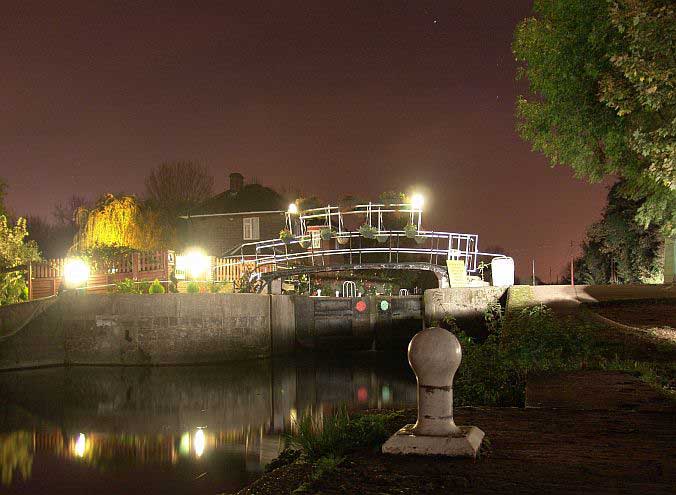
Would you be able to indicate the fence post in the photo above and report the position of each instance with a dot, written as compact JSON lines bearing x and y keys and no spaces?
{"x":135,"y":265}
{"x":30,"y":280}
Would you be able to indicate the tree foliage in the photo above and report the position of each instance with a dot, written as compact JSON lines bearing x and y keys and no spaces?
{"x":15,"y":252}
{"x":176,"y":187}
{"x":602,"y":76}
{"x":120,"y":222}
{"x":617,"y":249}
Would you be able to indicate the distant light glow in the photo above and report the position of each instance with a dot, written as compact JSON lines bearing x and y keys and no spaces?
{"x":199,"y":443}
{"x":80,"y":445}
{"x":387,"y":394}
{"x":293,"y":209}
{"x":75,"y":272}
{"x":184,"y":446}
{"x":417,"y":201}
{"x":362,"y":394}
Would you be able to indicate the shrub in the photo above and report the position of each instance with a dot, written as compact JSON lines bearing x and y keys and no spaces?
{"x":156,"y":288}
{"x":193,"y":288}
{"x":127,"y":286}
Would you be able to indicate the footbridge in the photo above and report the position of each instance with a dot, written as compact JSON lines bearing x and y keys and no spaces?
{"x":321,"y":240}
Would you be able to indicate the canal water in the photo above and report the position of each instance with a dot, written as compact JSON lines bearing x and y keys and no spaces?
{"x":190,"y":429}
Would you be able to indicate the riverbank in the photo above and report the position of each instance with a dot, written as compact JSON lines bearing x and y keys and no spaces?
{"x":618,"y":440}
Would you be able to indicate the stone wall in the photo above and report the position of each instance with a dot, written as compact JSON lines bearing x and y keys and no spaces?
{"x":466,"y":304}
{"x":131,"y":329}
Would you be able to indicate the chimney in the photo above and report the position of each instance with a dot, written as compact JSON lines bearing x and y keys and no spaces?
{"x":236,"y":182}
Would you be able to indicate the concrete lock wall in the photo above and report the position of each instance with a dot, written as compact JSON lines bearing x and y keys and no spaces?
{"x":130,"y":329}
{"x":466,"y":304}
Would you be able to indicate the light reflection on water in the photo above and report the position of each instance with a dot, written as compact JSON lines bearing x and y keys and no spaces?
{"x":205,"y":429}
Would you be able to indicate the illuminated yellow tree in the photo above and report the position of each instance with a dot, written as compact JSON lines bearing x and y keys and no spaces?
{"x":120,"y":222}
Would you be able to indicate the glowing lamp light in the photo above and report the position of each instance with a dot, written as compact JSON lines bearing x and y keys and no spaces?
{"x":293,"y":209}
{"x":195,"y":263}
{"x":75,"y":272}
{"x":80,"y":445}
{"x":417,"y":201}
{"x":199,"y":443}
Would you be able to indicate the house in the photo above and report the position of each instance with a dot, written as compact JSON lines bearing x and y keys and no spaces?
{"x":244,"y":213}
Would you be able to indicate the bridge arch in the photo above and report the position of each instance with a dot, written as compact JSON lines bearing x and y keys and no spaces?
{"x":439,"y":271}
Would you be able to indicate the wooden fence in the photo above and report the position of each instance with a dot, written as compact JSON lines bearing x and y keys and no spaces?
{"x":45,"y":277}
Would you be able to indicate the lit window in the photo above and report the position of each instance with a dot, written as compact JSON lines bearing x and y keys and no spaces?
{"x":252,"y":230}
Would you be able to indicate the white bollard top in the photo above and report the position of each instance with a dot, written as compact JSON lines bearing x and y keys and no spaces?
{"x":435,"y":355}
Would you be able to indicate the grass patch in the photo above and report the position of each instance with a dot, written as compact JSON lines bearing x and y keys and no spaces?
{"x":339,"y":433}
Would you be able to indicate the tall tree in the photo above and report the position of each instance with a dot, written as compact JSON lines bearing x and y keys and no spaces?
{"x":3,"y":188}
{"x":603,"y":80}
{"x":617,"y":249}
{"x":174,"y":188}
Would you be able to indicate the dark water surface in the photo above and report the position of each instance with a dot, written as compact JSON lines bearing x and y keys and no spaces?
{"x":197,"y":429}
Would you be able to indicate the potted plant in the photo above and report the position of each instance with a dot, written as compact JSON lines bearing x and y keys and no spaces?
{"x":304,"y":242}
{"x":286,"y":236}
{"x":342,"y":239}
{"x":367,"y":231}
{"x":382,"y":238}
{"x":420,"y":239}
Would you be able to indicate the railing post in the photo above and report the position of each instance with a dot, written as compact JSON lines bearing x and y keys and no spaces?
{"x":135,"y":265}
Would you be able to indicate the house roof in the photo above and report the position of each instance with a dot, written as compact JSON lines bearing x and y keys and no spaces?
{"x":252,"y":197}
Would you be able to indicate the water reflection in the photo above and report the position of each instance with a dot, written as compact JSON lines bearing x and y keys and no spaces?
{"x":175,"y":429}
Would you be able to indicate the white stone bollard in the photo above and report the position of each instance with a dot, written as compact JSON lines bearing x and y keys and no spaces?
{"x":435,"y":355}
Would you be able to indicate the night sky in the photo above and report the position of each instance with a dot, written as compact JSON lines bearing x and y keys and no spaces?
{"x":330,"y":100}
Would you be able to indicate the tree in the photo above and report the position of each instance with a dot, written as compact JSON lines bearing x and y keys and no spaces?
{"x":3,"y":188}
{"x":603,"y":79}
{"x":15,"y":253}
{"x":120,"y":222}
{"x":174,"y":188}
{"x":617,"y":249}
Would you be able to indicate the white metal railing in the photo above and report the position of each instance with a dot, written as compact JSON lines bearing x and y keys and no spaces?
{"x":430,"y":246}
{"x":333,"y":216}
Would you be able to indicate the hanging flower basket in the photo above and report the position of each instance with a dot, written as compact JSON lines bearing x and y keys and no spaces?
{"x":368,"y":232}
{"x":382,"y":238}
{"x":326,"y":234}
{"x":304,"y":243}
{"x":342,"y":239}
{"x":410,"y":230}
{"x":286,"y":235}
{"x":419,"y":239}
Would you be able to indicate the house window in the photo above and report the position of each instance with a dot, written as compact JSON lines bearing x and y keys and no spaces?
{"x":252,"y":231}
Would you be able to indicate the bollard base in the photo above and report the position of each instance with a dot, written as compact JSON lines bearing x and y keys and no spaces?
{"x":464,"y":444}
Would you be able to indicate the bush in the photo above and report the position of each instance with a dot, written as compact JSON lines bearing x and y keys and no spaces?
{"x":193,"y":288}
{"x":127,"y":286}
{"x":156,"y":288}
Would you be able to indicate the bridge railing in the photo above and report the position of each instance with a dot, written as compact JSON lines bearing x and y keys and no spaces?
{"x":429,"y":246}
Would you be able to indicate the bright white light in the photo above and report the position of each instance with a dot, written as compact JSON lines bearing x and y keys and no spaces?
{"x":417,"y":201}
{"x":75,"y":272}
{"x":199,"y":443}
{"x":194,"y":263}
{"x":293,"y":209}
{"x":80,"y":445}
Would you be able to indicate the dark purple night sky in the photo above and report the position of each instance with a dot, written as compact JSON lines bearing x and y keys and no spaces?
{"x":329,"y":100}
